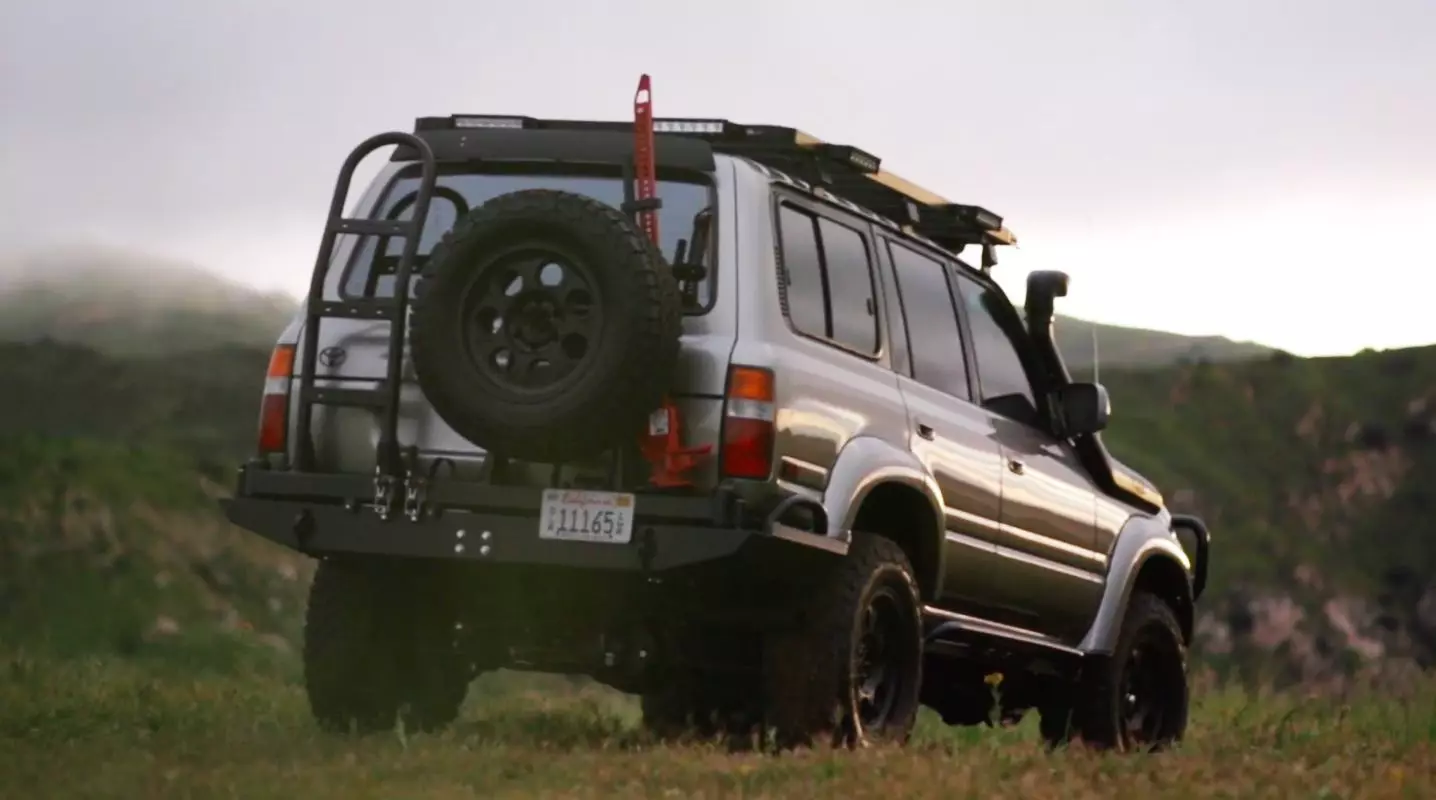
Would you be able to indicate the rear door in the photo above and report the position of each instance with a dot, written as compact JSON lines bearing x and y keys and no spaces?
{"x":954,"y":439}
{"x":353,"y":353}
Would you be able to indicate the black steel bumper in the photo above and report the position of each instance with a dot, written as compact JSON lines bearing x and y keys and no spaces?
{"x":1201,"y":559}
{"x":323,"y":515}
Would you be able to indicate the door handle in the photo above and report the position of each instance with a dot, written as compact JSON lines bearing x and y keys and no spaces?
{"x":925,"y":431}
{"x":1016,"y":467}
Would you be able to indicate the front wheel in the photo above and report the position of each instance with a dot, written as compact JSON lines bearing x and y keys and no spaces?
{"x":853,"y":672}
{"x":1138,"y":699}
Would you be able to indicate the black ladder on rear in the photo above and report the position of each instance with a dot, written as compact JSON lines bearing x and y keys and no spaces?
{"x":388,"y":470}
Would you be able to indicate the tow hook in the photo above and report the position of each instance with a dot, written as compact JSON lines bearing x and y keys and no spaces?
{"x":415,"y":487}
{"x":383,"y":495}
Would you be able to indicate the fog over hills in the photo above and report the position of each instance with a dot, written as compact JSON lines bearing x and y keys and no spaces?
{"x":131,"y":304}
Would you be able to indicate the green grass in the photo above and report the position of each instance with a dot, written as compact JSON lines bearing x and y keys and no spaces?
{"x":103,"y":728}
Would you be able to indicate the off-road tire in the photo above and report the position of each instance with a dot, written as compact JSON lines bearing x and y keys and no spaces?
{"x":809,"y":673}
{"x":434,"y":678}
{"x":1094,"y":712}
{"x":620,"y":380}
{"x":706,"y":707}
{"x":372,"y":649}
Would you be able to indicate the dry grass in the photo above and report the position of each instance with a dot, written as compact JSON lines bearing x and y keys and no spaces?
{"x":110,"y":729}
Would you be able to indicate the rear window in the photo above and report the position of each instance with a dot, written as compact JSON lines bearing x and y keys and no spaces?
{"x":371,"y":276}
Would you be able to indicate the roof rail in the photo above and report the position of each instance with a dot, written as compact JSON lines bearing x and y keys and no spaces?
{"x":844,"y":170}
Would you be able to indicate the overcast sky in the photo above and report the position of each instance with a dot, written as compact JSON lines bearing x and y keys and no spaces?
{"x":1263,"y":170}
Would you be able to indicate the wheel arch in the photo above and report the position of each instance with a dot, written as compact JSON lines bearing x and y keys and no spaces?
{"x":1147,"y":557}
{"x":877,"y":488}
{"x":1160,"y":575}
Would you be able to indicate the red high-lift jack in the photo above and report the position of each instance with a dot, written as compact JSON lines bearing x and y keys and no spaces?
{"x":663,"y":447}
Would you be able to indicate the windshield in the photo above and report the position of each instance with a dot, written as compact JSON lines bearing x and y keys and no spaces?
{"x":369,"y":276}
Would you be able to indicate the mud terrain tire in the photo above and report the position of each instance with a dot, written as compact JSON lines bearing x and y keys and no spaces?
{"x":813,"y":677}
{"x":373,"y":649}
{"x":695,"y":704}
{"x":1137,"y":700}
{"x":483,"y":314}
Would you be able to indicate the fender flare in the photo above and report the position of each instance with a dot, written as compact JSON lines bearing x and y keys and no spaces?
{"x":1143,"y":538}
{"x":866,"y":463}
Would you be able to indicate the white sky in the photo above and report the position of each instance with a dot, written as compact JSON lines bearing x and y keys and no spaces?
{"x":1201,"y":167}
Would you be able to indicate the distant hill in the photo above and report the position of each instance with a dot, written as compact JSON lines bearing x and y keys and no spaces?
{"x":127,"y":304}
{"x":1120,"y":346}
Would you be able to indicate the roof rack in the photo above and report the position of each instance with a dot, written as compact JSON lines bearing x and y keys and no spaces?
{"x":844,"y":170}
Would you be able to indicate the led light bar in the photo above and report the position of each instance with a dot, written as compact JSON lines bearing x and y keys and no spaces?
{"x":975,"y":215}
{"x":701,"y":126}
{"x":492,"y":122}
{"x":864,"y":162}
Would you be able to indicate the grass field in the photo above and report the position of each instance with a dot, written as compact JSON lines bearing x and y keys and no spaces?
{"x":79,"y":729}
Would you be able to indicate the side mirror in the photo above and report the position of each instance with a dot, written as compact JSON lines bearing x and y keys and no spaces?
{"x":1081,"y":409}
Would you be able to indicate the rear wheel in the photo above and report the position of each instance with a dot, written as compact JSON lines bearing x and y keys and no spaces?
{"x":377,"y":643}
{"x":852,"y":674}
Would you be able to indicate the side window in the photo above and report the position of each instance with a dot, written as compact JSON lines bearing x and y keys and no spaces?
{"x":933,"y":336}
{"x":803,"y":271}
{"x":1006,"y":388}
{"x":828,"y":280}
{"x":850,"y":286}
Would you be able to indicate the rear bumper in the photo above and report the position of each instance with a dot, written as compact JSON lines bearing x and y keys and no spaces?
{"x":328,"y":515}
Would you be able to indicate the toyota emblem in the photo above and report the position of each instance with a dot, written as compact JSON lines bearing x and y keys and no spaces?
{"x":332,"y":356}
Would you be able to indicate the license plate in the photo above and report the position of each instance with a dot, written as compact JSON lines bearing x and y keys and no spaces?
{"x":571,"y":515}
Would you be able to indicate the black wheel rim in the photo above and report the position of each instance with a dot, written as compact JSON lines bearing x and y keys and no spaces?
{"x":1153,"y":690}
{"x":883,"y":661}
{"x":530,"y":318}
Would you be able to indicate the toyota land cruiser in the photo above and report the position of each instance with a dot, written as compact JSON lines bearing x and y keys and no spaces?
{"x":719,"y":415}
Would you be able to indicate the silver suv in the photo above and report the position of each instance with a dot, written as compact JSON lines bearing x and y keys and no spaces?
{"x":717,"y":415}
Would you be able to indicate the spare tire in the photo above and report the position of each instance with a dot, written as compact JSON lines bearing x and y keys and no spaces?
{"x":545,"y":327}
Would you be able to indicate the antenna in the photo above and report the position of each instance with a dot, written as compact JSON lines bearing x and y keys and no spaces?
{"x":1095,"y":353}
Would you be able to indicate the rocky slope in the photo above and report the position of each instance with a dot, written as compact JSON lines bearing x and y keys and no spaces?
{"x":1316,"y":476}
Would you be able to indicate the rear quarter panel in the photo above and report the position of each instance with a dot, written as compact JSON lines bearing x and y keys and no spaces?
{"x":827,"y":397}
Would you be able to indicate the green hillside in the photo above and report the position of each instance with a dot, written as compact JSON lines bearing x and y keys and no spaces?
{"x":202,"y":403}
{"x":1315,"y":475}
{"x":114,"y":549}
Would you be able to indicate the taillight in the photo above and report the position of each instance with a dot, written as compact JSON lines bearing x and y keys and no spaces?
{"x":274,"y":408}
{"x":748,"y":423}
